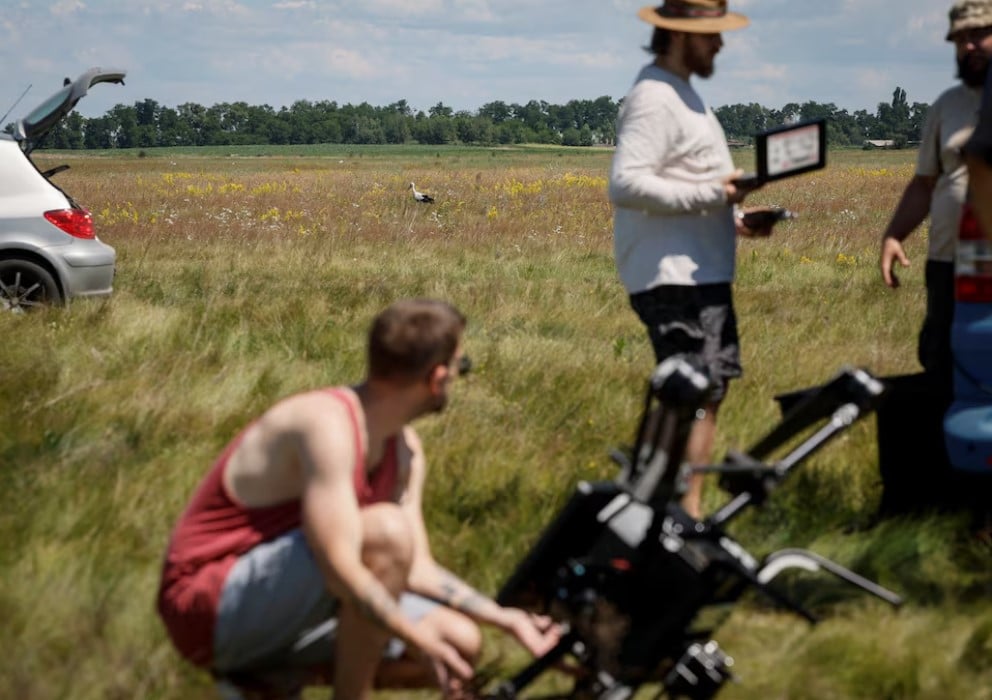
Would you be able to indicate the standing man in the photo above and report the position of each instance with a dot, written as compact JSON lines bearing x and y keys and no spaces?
{"x":303,"y":552}
{"x":939,"y":187}
{"x":978,"y":156}
{"x":673,"y":192}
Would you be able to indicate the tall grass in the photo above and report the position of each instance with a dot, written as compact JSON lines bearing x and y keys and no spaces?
{"x":243,"y":279}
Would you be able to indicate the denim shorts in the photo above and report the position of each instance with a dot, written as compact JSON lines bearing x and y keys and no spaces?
{"x":695,"y":321}
{"x":277,"y":615}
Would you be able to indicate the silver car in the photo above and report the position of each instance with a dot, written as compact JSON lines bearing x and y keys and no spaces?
{"x":49,"y":252}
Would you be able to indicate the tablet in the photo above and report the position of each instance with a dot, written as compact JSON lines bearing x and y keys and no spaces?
{"x":788,"y":150}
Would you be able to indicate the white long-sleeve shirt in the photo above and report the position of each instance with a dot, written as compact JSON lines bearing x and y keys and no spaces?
{"x":672,"y":223}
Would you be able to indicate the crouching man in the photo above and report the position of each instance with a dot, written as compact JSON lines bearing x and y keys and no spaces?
{"x":303,"y":555}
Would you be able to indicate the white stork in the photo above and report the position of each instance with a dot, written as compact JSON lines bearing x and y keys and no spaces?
{"x":420,"y":196}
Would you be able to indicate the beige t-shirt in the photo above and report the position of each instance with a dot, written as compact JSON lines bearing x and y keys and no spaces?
{"x":948,"y":125}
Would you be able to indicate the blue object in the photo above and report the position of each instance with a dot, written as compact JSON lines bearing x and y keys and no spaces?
{"x":968,"y":422}
{"x":968,"y":435}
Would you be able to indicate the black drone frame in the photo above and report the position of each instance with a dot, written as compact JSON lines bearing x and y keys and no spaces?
{"x":633,"y":578}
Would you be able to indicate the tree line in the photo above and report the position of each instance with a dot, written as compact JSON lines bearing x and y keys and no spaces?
{"x":147,"y":124}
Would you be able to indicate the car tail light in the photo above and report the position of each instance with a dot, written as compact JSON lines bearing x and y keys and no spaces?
{"x":75,"y":222}
{"x":973,"y":268}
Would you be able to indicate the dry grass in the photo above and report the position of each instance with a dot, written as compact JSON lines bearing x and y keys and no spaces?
{"x":243,"y":279}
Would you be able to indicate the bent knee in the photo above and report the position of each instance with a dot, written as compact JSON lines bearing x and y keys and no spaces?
{"x":386,"y":535}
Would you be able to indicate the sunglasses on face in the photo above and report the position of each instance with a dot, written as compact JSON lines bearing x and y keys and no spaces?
{"x":462,"y":366}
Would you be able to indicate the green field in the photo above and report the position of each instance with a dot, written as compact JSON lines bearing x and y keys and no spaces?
{"x":247,"y":274}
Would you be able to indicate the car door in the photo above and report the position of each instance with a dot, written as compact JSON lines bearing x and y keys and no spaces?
{"x":29,"y":130}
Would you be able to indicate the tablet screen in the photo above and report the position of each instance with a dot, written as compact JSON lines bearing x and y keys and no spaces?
{"x":791,"y":150}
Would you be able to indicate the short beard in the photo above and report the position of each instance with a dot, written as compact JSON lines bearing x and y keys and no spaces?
{"x":696,"y":64}
{"x":969,"y":73}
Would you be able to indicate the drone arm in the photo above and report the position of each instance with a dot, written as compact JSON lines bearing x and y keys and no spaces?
{"x":849,"y":386}
{"x":778,"y":597}
{"x":757,"y":479}
{"x":779,"y":561}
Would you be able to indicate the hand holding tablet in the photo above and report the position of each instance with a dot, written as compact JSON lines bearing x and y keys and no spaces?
{"x":786,"y":151}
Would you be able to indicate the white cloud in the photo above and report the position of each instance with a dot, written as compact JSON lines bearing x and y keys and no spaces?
{"x":224,"y":9}
{"x":506,"y":48}
{"x":350,"y":64}
{"x":358,"y":32}
{"x":64,"y":8}
{"x":591,"y":59}
{"x":405,"y":8}
{"x":312,"y":63}
{"x":465,"y":53}
{"x":475,"y":10}
{"x":763,"y":73}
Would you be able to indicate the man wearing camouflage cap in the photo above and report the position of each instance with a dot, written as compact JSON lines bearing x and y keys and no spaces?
{"x":939,"y":187}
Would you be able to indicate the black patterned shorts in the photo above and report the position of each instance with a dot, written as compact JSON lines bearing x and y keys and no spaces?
{"x":696,"y":321}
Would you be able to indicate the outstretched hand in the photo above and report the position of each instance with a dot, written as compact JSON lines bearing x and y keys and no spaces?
{"x":450,"y":669}
{"x":892,"y":252}
{"x":538,"y":634}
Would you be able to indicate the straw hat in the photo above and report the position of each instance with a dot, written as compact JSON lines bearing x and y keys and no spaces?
{"x":969,"y":14}
{"x":699,"y":16}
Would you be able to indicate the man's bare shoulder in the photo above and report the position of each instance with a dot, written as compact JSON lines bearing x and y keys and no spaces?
{"x":310,"y":410}
{"x":317,"y":428}
{"x":299,"y":437}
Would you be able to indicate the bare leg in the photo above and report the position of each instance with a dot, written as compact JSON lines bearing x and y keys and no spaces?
{"x":699,"y":452}
{"x":387,"y":551}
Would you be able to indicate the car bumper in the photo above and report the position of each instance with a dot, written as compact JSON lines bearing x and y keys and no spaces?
{"x":88,"y":269}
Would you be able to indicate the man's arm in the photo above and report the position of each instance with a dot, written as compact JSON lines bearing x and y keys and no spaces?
{"x":331,"y":518}
{"x":431,"y":580}
{"x":333,"y":525}
{"x":644,"y":142}
{"x":913,"y":208}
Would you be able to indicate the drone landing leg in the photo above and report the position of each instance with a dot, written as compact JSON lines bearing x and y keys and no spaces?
{"x":508,"y":690}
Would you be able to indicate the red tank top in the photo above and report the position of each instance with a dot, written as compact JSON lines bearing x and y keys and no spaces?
{"x":215,"y":530}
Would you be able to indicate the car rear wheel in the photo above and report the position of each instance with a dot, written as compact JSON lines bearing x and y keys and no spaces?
{"x":25,"y":286}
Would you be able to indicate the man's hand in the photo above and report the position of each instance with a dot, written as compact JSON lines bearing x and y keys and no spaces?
{"x":757,"y":222}
{"x":538,"y":634}
{"x":912,"y":210}
{"x":450,"y":669}
{"x":892,"y":251}
{"x":736,"y":194}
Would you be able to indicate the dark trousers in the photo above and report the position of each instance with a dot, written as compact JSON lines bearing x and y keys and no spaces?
{"x":934,"y":350}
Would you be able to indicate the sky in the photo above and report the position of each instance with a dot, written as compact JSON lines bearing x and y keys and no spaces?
{"x":463,"y":53}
